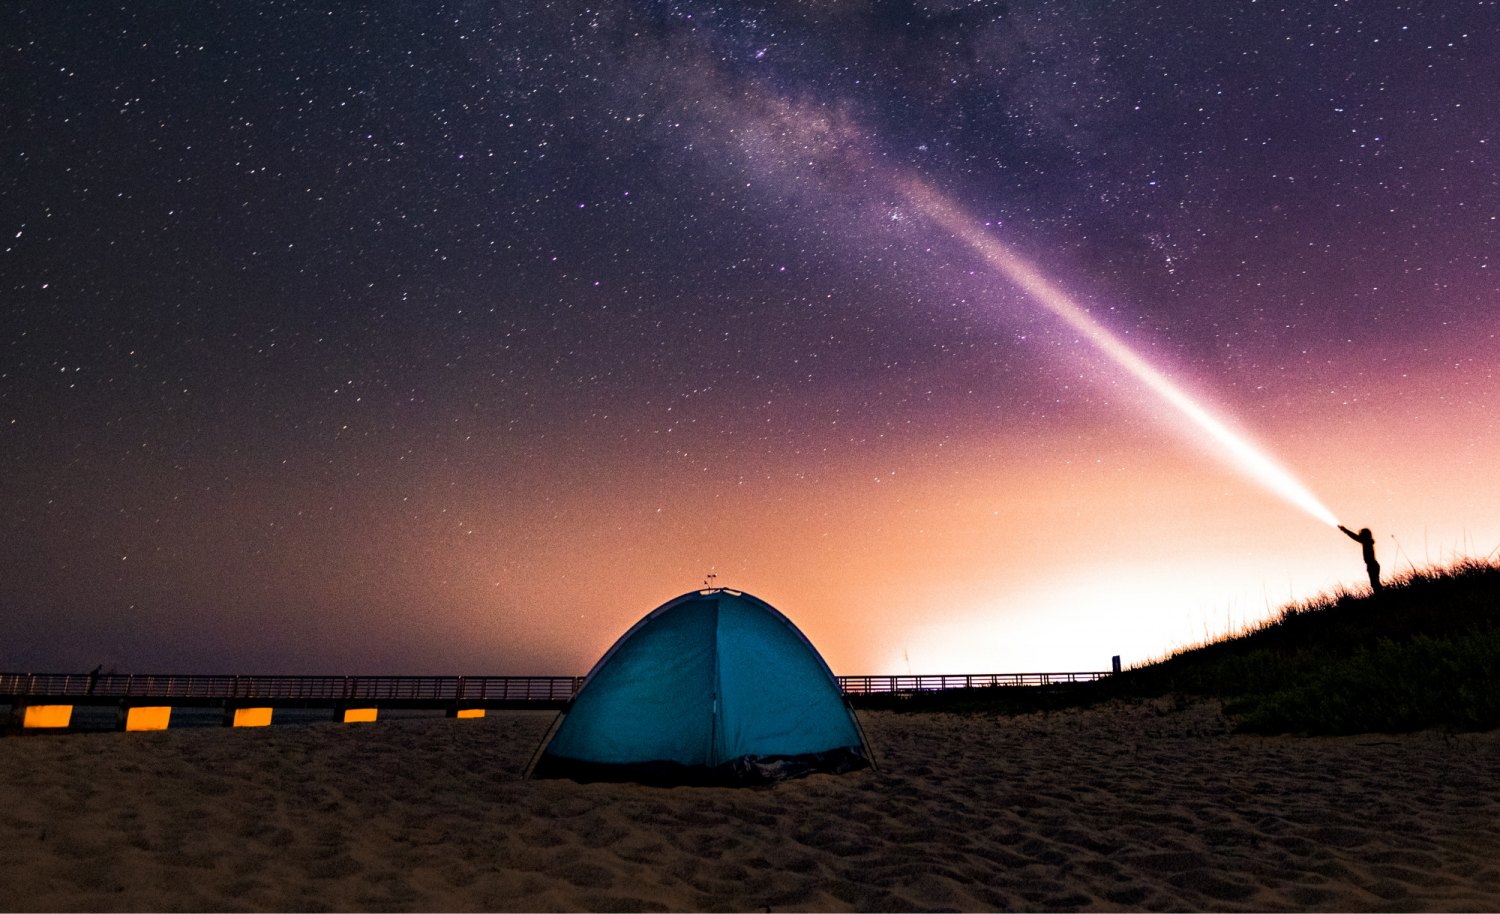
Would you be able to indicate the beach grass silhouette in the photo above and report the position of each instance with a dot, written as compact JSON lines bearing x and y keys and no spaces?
{"x":1424,"y":652}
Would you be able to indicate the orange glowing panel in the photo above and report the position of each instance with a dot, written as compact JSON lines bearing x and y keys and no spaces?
{"x":147,"y":718}
{"x":464,"y":713}
{"x":251,"y":717}
{"x":358,"y":715}
{"x":38,"y":717}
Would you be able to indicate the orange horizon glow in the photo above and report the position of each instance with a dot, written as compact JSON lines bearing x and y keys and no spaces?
{"x":1098,"y":538}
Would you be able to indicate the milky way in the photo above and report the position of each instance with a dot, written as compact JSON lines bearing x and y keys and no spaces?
{"x":454,"y":338}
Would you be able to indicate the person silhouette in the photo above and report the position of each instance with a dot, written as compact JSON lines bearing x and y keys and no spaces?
{"x":1366,"y":539}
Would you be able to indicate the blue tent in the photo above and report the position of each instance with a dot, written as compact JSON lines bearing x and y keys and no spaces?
{"x":714,"y":687}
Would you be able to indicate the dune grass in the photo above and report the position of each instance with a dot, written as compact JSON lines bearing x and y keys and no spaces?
{"x":1423,"y":653}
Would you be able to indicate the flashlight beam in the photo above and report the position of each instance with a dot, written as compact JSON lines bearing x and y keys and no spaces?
{"x":1234,"y":450}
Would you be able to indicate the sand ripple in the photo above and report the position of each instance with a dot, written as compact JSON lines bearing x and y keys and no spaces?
{"x":1142,"y":807}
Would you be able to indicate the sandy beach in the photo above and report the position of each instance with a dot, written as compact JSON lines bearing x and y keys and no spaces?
{"x":1141,"y":807}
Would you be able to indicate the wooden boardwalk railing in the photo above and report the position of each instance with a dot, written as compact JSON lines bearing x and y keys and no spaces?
{"x":197,"y":688}
{"x":290,"y":688}
{"x":878,"y":685}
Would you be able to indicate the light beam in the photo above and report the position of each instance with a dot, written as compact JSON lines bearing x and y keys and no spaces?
{"x":1233,"y":449}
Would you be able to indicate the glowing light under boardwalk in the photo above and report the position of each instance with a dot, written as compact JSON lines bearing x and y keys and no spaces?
{"x":1232,"y":448}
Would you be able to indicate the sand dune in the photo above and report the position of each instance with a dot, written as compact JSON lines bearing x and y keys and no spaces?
{"x":1124,"y":808}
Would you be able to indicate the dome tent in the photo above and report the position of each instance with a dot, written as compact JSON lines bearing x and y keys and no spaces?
{"x":713,"y":687}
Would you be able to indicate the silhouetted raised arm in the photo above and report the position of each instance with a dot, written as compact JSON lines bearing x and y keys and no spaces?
{"x":1366,"y":539}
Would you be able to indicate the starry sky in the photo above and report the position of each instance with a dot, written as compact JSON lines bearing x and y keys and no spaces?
{"x":454,"y":337}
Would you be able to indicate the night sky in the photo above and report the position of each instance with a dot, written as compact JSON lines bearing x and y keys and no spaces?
{"x":454,"y":337}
